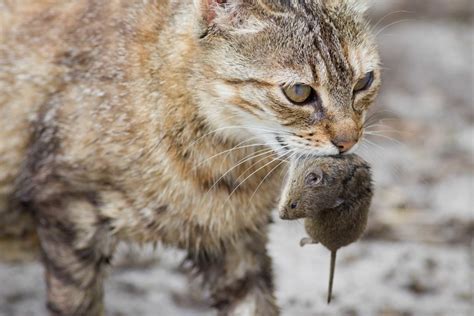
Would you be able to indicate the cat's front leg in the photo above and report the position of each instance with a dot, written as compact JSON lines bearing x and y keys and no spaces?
{"x":76,"y":246}
{"x":240,"y":278}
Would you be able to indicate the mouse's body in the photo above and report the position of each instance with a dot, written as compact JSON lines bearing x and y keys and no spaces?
{"x":333,"y":194}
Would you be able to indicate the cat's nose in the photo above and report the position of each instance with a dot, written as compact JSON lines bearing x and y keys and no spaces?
{"x":344,"y":144}
{"x":345,"y":134}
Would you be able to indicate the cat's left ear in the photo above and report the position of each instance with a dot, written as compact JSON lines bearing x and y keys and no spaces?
{"x":211,"y":11}
{"x":232,"y":16}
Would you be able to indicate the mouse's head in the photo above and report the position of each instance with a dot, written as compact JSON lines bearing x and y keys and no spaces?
{"x":314,"y":184}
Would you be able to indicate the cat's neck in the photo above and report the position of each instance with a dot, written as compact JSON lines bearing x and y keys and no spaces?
{"x":167,"y":64}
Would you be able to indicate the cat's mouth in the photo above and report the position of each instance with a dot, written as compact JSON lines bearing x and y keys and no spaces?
{"x":287,"y":146}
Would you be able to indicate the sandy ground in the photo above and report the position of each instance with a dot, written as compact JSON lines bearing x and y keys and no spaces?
{"x":417,"y":257}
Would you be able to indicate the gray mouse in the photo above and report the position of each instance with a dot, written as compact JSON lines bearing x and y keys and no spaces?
{"x":333,"y":194}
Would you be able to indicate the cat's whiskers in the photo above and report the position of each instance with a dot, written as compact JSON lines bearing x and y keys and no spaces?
{"x":362,"y":149}
{"x":377,"y":155}
{"x":224,"y":159}
{"x":228,"y":151}
{"x":253,"y":173}
{"x":253,"y":165}
{"x":372,"y":143}
{"x":386,"y":128}
{"x":380,"y":32}
{"x":373,"y":118}
{"x":267,"y":154}
{"x":388,"y":15}
{"x":379,"y":129}
{"x":384,"y":136}
{"x":267,"y":130}
{"x":383,"y":131}
{"x":270,"y":172}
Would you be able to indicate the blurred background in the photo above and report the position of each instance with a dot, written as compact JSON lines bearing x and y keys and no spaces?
{"x":417,"y":256}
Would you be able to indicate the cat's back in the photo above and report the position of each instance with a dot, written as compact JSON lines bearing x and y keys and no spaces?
{"x":27,"y":79}
{"x":59,"y":54}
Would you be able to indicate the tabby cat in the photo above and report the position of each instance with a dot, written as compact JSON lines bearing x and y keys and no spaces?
{"x":170,"y":121}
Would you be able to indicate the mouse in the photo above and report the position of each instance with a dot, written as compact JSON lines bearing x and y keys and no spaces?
{"x":333,"y":195}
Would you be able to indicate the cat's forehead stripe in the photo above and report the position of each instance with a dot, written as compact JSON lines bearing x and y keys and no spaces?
{"x":328,"y":43}
{"x":321,"y":43}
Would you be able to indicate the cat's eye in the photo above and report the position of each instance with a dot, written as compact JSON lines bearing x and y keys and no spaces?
{"x":299,"y":94}
{"x":314,"y":178}
{"x":364,"y":83}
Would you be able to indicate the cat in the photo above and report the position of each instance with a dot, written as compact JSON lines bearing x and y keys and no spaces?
{"x":170,"y":121}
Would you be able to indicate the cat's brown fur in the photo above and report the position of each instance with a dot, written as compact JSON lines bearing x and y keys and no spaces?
{"x":113,"y":114}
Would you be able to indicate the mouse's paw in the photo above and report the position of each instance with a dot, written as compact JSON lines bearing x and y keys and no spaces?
{"x":307,"y":240}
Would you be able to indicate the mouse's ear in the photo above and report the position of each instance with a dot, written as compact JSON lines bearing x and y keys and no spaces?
{"x":314,"y":177}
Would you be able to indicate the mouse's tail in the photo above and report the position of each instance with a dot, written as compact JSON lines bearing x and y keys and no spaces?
{"x":331,"y":274}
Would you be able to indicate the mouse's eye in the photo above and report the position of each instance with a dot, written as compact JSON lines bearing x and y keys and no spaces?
{"x":314,"y":178}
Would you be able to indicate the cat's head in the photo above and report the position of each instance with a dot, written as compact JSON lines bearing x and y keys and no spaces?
{"x":299,"y":75}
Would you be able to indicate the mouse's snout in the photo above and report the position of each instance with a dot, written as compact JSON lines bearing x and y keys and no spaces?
{"x":287,"y":211}
{"x":284,"y":213}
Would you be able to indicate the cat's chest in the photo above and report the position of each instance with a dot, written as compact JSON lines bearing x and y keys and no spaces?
{"x":207,"y":204}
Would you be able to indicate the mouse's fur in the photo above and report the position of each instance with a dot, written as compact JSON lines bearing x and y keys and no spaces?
{"x":334,"y":195}
{"x":336,"y":205}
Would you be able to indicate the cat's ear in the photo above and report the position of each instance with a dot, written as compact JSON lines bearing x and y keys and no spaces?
{"x":209,"y":11}
{"x":233,"y":16}
{"x":356,"y":6}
